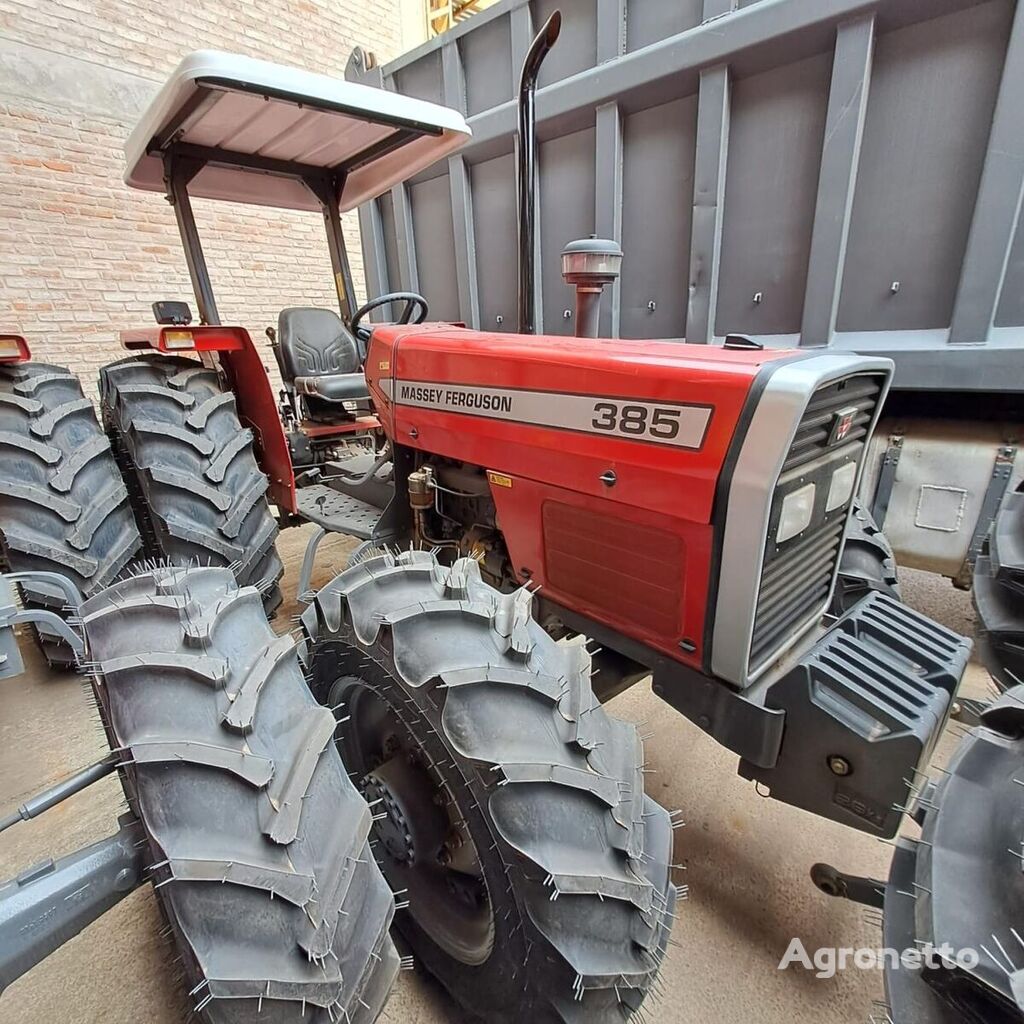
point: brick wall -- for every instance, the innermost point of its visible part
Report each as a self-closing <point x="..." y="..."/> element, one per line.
<point x="84" y="256"/>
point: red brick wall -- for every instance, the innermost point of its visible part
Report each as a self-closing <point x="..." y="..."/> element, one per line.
<point x="83" y="256"/>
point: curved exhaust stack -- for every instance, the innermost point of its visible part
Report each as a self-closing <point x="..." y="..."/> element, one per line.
<point x="526" y="206"/>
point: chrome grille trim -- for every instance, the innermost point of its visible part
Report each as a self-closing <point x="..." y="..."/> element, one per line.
<point x="769" y="443"/>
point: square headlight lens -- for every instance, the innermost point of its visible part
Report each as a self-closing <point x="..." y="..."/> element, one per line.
<point x="797" y="509"/>
<point x="841" y="489"/>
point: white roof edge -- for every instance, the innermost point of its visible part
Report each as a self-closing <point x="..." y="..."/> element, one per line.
<point x="144" y="171"/>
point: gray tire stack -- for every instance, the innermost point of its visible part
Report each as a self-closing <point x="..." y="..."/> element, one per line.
<point x="63" y="505"/>
<point x="198" y="494"/>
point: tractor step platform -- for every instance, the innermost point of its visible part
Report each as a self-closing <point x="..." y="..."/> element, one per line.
<point x="337" y="512"/>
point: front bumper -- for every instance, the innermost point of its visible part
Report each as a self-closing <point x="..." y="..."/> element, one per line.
<point x="863" y="709"/>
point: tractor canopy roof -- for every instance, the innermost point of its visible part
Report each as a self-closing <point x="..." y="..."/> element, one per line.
<point x="260" y="131"/>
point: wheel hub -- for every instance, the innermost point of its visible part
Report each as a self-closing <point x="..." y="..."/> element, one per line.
<point x="409" y="824"/>
<point x="390" y="824"/>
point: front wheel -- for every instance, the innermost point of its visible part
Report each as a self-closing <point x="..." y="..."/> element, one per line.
<point x="867" y="564"/>
<point x="509" y="805"/>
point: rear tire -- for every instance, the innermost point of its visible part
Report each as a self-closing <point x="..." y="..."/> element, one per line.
<point x="998" y="594"/>
<point x="63" y="505"/>
<point x="868" y="563"/>
<point x="510" y="804"/>
<point x="198" y="494"/>
<point x="258" y="838"/>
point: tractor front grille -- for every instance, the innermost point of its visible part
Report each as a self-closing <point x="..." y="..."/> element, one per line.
<point x="797" y="575"/>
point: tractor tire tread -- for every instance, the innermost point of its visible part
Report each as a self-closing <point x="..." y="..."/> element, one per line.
<point x="54" y="462"/>
<point x="283" y="930"/>
<point x="517" y="711"/>
<point x="998" y="594"/>
<point x="868" y="563"/>
<point x="197" y="490"/>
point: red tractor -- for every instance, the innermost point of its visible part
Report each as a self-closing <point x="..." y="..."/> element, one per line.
<point x="682" y="506"/>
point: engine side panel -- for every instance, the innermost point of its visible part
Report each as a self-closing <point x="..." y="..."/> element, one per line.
<point x="552" y="418"/>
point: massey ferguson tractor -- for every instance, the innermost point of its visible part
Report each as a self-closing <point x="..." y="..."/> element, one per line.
<point x="546" y="521"/>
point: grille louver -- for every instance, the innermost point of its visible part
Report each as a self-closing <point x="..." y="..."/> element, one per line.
<point x="797" y="576"/>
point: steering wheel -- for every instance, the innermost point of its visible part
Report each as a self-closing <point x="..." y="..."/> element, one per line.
<point x="415" y="311"/>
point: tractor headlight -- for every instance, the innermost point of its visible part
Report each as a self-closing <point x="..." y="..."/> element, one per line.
<point x="796" y="512"/>
<point x="840" y="491"/>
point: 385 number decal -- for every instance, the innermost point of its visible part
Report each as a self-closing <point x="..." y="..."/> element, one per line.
<point x="637" y="420"/>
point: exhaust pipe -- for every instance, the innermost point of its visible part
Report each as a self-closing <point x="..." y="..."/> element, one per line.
<point x="526" y="206"/>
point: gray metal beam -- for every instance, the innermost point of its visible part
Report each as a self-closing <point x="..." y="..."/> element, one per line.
<point x="462" y="197"/>
<point x="716" y="8"/>
<point x="756" y="27"/>
<point x="608" y="204"/>
<point x="47" y="905"/>
<point x="837" y="180"/>
<point x="998" y="206"/>
<point x="375" y="264"/>
<point x="709" y="173"/>
<point x="611" y="44"/>
<point x="407" y="269"/>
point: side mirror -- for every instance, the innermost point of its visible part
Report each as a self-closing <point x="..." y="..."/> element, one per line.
<point x="174" y="314"/>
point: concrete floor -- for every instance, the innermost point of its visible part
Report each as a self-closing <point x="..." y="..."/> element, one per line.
<point x="747" y="861"/>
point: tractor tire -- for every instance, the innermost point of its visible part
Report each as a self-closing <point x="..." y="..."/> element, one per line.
<point x="998" y="594"/>
<point x="257" y="837"/>
<point x="959" y="886"/>
<point x="510" y="803"/>
<point x="198" y="494"/>
<point x="867" y="563"/>
<point x="63" y="505"/>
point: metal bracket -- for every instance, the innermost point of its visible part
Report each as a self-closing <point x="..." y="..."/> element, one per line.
<point x="306" y="594"/>
<point x="998" y="484"/>
<point x="858" y="888"/>
<point x="886" y="479"/>
<point x="52" y="902"/>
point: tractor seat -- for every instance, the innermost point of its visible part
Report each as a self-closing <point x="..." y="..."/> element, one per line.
<point x="320" y="358"/>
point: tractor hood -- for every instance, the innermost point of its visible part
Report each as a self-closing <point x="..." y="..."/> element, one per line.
<point x="259" y="128"/>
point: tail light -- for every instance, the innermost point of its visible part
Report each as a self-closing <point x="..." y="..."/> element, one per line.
<point x="14" y="349"/>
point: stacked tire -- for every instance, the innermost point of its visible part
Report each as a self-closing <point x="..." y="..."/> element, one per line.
<point x="198" y="494"/>
<point x="63" y="505"/>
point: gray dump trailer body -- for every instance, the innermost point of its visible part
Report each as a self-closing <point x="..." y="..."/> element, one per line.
<point x="838" y="173"/>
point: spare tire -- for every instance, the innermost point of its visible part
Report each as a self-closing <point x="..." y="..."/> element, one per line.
<point x="63" y="505"/>
<point x="257" y="837"/>
<point x="510" y="804"/>
<point x="198" y="494"/>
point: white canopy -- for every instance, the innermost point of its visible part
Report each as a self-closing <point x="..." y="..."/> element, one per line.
<point x="256" y="126"/>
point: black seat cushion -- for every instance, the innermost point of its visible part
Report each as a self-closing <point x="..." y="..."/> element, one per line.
<point x="315" y="343"/>
<point x="335" y="387"/>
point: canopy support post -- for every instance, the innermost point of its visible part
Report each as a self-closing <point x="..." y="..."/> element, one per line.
<point x="178" y="172"/>
<point x="327" y="190"/>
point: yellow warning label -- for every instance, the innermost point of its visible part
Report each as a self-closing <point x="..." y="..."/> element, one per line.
<point x="384" y="364"/>
<point x="499" y="479"/>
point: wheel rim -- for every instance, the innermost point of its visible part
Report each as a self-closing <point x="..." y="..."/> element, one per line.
<point x="420" y="835"/>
